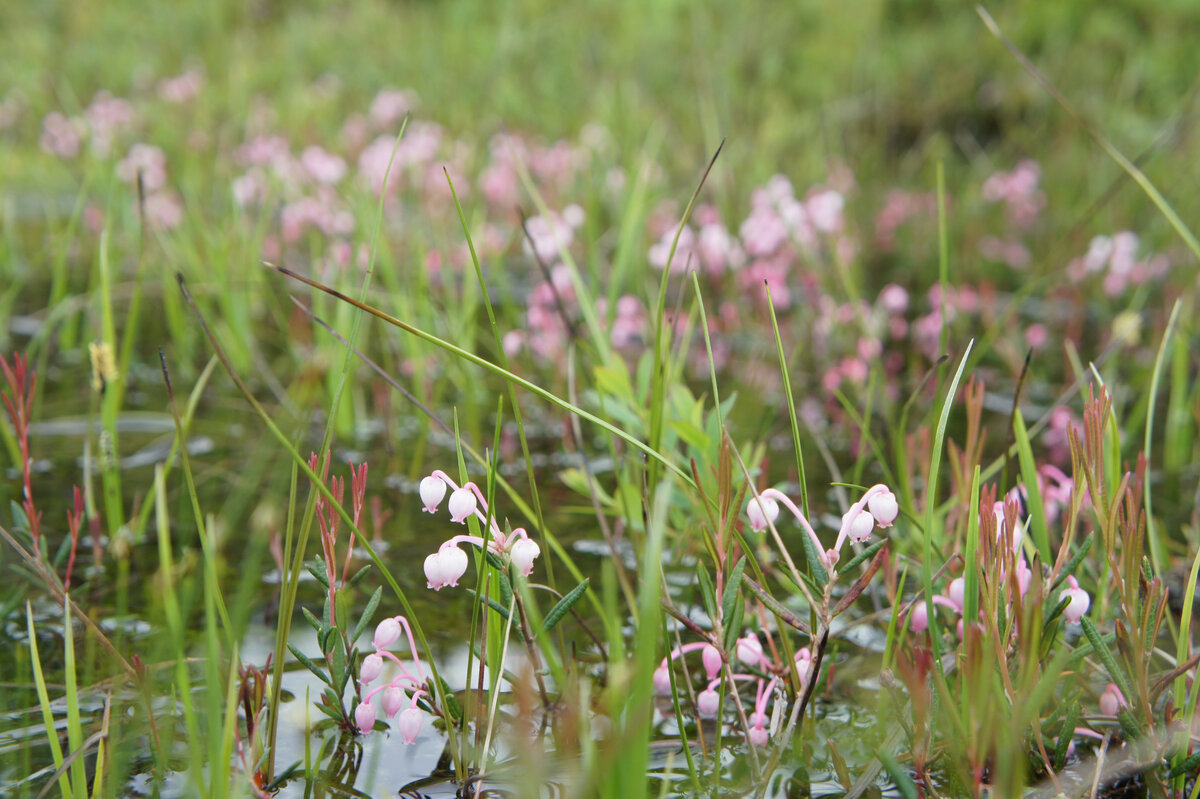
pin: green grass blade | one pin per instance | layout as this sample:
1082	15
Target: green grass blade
1033	495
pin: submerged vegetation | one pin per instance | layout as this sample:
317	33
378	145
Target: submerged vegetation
359	444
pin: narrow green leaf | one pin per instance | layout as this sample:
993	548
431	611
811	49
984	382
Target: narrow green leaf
707	592
819	574
491	603
863	557
317	624
307	663
971	567
368	612
1066	733
1073	563
1100	647
1033	495
564	606
732	587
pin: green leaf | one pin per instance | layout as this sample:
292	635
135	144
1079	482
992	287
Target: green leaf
564	606
317	624
819	574
691	434
358	576
368	612
317	570
1033	495
1066	733
732	587
863	556
1100	647
707	593
491	603
1073	563
305	661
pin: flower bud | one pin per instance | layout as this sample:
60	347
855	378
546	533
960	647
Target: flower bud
762	512
364	717
707	703
918	619
859	526
956	592
371	668
432	491
409	725
749	650
523	553
759	736
462	504
1079	601
1111	700
884	507
393	700
662	681
712	661
387	632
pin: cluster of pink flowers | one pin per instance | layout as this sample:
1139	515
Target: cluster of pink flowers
102	121
446	566
403	688
749	654
1116	257
877	507
1056	489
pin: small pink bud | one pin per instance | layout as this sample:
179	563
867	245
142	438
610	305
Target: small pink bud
859	526
432	490
1080	601
1111	700
364	717
387	632
884	508
957	592
462	504
371	668
759	736
409	724
749	650
707	703
762	512
712	661
393	700
662	681
523	553
919	617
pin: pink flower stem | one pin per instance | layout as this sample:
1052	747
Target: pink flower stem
412	646
856	509
786	501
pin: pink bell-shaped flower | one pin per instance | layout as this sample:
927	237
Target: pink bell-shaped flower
712	661
884	507
409	725
1080	601
371	668
1111	701
762	512
956	592
707	702
364	717
462	504
749	650
759	736
918	619
662	681
393	700
858	526
523	553
445	567
433	490
387	632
